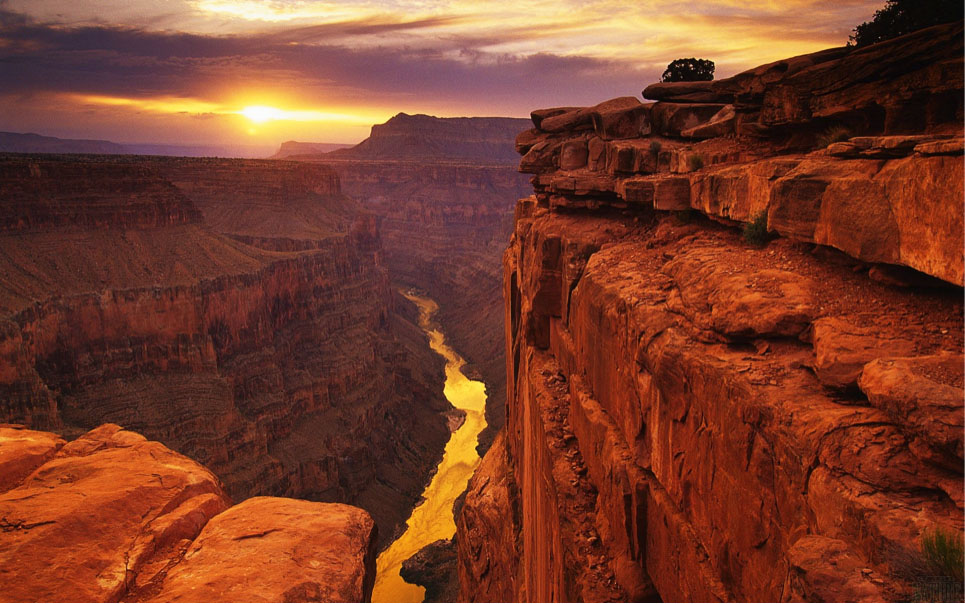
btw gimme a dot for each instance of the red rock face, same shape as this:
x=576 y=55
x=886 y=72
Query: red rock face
x=444 y=228
x=696 y=417
x=264 y=342
x=112 y=516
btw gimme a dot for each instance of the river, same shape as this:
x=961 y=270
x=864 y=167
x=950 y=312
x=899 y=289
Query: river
x=432 y=519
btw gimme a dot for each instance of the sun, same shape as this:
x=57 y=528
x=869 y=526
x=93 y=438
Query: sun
x=260 y=114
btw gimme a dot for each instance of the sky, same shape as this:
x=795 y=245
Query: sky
x=264 y=71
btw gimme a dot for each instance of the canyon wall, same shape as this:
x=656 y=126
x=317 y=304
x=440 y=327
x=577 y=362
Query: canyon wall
x=113 y=516
x=242 y=316
x=444 y=229
x=700 y=415
x=443 y=191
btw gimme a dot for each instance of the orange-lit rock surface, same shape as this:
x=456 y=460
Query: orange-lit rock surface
x=113 y=516
x=697 y=417
x=271 y=549
x=247 y=321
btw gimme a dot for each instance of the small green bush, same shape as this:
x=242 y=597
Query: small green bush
x=943 y=551
x=695 y=162
x=684 y=216
x=755 y=232
x=834 y=134
x=655 y=147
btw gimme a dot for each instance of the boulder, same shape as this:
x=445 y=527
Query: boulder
x=22 y=451
x=527 y=138
x=742 y=305
x=541 y=114
x=596 y=157
x=575 y=119
x=953 y=146
x=573 y=154
x=271 y=549
x=842 y=349
x=882 y=146
x=542 y=157
x=90 y=519
x=671 y=119
x=623 y=117
x=720 y=124
x=921 y=394
x=686 y=92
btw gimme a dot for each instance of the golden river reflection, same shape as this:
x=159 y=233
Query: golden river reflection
x=432 y=519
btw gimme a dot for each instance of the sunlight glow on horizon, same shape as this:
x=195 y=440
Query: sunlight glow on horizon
x=329 y=69
x=258 y=114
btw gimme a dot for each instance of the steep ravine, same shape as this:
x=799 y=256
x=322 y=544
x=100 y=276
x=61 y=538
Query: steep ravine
x=433 y=519
x=242 y=316
x=698 y=415
x=443 y=190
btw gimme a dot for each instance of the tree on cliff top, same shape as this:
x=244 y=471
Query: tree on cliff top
x=900 y=17
x=689 y=70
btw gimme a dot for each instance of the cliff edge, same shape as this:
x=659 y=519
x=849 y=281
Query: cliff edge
x=113 y=516
x=697 y=414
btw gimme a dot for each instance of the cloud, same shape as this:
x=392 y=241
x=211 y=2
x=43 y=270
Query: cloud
x=447 y=57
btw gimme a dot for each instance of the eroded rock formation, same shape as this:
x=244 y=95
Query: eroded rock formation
x=243 y=316
x=113 y=516
x=443 y=190
x=698 y=416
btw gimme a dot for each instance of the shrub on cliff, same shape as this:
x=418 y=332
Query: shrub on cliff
x=943 y=551
x=755 y=231
x=900 y=17
x=695 y=161
x=834 y=134
x=689 y=70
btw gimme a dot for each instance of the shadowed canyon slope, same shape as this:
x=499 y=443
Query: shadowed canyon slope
x=143 y=523
x=443 y=189
x=697 y=415
x=242 y=316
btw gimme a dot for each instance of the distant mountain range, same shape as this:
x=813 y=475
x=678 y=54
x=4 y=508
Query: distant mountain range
x=15 y=142
x=425 y=137
x=403 y=137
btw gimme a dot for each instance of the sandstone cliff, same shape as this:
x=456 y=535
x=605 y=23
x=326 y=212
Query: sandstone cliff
x=112 y=516
x=696 y=415
x=243 y=318
x=449 y=139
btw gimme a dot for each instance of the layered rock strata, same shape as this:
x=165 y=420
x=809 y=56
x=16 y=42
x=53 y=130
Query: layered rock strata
x=246 y=321
x=443 y=190
x=697 y=415
x=112 y=516
x=444 y=229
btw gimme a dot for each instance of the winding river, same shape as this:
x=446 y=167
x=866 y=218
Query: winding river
x=432 y=519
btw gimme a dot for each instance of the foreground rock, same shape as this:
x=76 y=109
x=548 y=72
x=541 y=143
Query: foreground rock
x=114 y=516
x=270 y=549
x=693 y=415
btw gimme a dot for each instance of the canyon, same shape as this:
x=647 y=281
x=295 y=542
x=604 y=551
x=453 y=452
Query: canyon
x=238 y=311
x=443 y=190
x=697 y=414
x=714 y=338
